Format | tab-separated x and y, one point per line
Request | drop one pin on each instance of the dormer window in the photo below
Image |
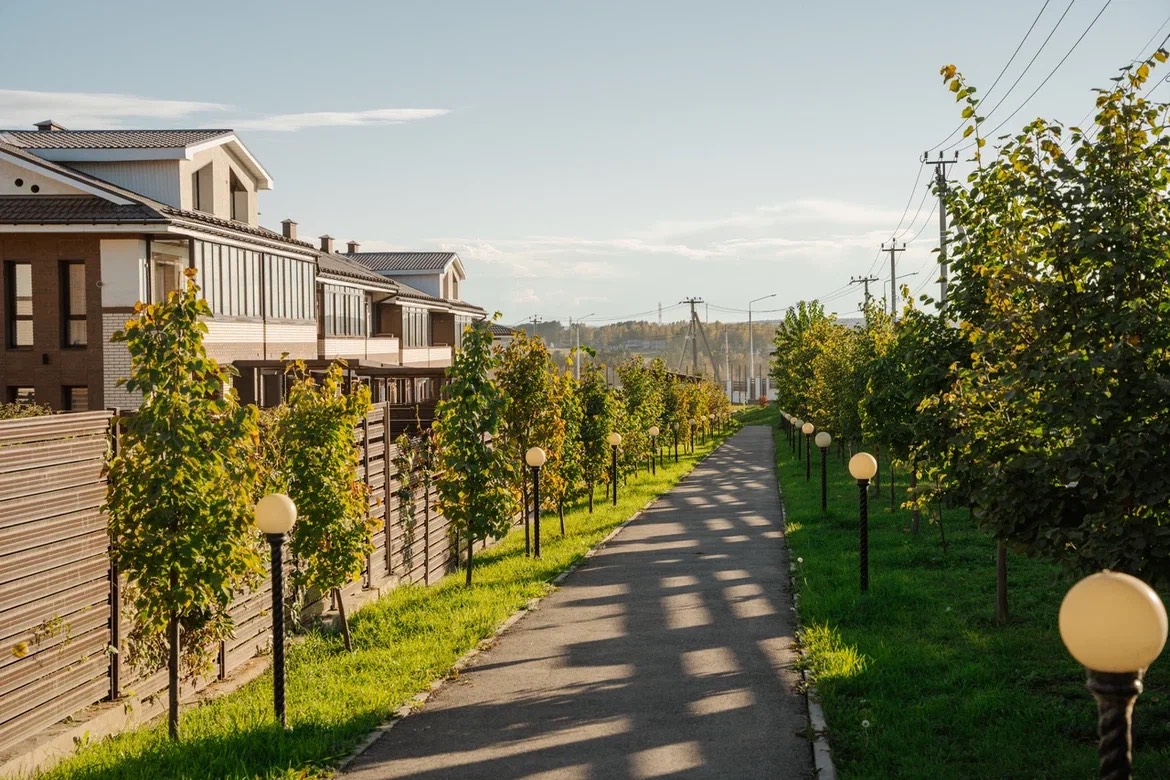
202	197
239	198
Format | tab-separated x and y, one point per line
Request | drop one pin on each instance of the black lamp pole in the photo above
653	468
276	541
1115	693
808	457
613	474
536	509
676	444
692	436
863	531
824	481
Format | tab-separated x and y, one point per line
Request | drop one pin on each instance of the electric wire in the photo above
918	211
933	209
1046	78
1027	67
1000	76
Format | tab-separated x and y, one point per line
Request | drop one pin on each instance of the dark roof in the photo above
109	139
409	293
403	261
501	330
65	209
141	201
342	267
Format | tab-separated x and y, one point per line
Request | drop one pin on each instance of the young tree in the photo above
797	340
1060	256
334	532
642	395
563	473
180	492
523	375
598	412
475	492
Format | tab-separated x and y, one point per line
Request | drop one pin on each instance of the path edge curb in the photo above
822	754
420	699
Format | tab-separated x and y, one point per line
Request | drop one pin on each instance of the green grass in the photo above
404	641
945	692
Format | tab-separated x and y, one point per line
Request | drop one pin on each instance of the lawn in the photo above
403	642
916	679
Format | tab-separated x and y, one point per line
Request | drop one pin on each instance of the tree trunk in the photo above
942	534
173	676
344	619
561	514
1001	585
915	515
470	555
173	666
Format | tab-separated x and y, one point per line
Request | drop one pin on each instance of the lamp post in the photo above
711	425
823	440
807	429
752	347
615	441
1115	626
675	426
275	515
535	458
654	445
692	437
797	424
577	351
863	466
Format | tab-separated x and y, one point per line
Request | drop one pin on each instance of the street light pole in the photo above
823	440
615	441
807	429
653	448
862	467
535	458
1115	626
275	515
752	347
577	351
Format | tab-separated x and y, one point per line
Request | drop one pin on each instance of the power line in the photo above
926	222
1000	76
1049	76
918	211
909	200
1031	62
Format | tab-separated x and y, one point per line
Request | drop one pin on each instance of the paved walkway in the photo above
668	655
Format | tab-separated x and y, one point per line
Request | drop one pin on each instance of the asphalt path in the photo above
668	654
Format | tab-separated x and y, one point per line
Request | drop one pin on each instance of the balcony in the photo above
383	349
431	357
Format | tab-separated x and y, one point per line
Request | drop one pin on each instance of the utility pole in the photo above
727	365
866	281
660	312
940	181
694	341
893	249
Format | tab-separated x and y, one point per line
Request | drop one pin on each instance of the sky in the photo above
584	158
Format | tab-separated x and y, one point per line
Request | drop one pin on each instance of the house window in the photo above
288	288
201	190
239	198
22	395
416	327
19	303
167	261
75	398
73	322
345	311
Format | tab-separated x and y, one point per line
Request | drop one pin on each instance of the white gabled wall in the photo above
123	263
157	179
10	172
223	164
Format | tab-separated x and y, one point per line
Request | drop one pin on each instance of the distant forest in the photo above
615	342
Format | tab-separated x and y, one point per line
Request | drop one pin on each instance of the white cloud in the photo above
801	211
527	295
91	110
288	123
108	110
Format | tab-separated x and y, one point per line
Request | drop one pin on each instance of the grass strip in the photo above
403	641
916	679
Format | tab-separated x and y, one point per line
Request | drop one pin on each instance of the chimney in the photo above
290	229
48	126
327	244
353	247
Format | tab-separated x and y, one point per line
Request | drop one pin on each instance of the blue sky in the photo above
582	157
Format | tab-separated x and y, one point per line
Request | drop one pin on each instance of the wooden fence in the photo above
62	622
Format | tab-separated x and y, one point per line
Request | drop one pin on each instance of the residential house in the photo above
92	222
502	335
427	313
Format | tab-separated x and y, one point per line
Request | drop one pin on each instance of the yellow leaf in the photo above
970	129
1143	71
1160	55
954	87
968	112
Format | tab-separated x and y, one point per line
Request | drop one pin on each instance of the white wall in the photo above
122	271
223	164
158	179
9	173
